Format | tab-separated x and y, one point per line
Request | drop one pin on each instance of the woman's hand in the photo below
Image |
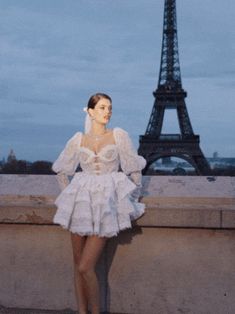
135	194
63	180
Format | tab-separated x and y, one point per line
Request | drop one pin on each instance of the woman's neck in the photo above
98	129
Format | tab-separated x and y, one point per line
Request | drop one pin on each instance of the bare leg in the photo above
90	255
78	243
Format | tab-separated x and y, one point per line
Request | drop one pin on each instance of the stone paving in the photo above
31	311
4	310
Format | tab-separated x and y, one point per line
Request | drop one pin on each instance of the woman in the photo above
100	200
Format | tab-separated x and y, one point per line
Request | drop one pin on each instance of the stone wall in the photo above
178	258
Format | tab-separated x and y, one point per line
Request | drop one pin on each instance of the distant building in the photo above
221	162
215	155
11	157
178	166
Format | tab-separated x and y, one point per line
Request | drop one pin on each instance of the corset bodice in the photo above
105	161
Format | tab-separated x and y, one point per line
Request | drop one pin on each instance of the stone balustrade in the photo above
178	258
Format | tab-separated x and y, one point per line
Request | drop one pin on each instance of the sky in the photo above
55	54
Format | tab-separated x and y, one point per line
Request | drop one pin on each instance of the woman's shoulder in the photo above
120	134
76	138
119	130
76	135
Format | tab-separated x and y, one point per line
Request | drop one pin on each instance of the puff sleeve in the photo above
67	162
131	162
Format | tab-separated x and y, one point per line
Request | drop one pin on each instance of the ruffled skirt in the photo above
97	204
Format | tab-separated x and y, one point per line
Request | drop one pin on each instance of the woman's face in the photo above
102	111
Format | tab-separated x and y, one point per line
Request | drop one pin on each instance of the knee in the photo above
85	270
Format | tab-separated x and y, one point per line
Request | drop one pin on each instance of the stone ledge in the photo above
173	217
193	202
160	212
228	219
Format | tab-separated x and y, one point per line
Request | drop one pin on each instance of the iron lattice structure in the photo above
170	95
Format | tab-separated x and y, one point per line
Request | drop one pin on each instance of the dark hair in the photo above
95	98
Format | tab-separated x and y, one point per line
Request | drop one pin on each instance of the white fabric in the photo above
87	124
100	199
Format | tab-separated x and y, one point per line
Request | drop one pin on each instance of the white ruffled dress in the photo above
99	199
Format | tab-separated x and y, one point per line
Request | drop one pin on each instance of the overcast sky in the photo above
54	54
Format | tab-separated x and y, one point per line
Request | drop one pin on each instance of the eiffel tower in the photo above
170	95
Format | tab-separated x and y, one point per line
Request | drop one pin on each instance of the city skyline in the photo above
55	54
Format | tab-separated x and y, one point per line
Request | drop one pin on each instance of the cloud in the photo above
54	54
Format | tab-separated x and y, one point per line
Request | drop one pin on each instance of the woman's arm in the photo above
67	162
131	163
